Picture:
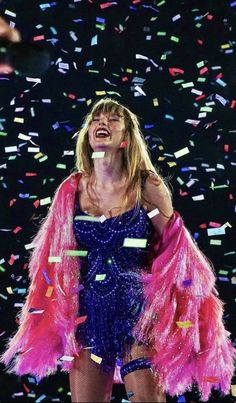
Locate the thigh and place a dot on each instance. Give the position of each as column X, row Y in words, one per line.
column 137, row 351
column 88, row 382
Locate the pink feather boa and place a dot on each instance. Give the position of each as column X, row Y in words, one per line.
column 180, row 289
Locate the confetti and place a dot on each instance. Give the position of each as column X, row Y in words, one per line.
column 135, row 243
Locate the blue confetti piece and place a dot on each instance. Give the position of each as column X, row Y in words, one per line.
column 24, row 195
column 170, row 117
column 187, row 283
column 148, row 126
column 181, row 399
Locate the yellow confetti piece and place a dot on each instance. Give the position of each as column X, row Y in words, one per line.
column 233, row 390
column 135, row 243
column 100, row 93
column 100, row 277
column 181, row 152
column 225, row 46
column 155, row 102
column 9, row 290
column 184, row 324
column 54, row 259
column 19, row 120
column 171, row 163
column 95, row 358
column 49, row 291
column 37, row 156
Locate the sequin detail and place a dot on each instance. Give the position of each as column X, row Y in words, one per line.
column 110, row 276
column 134, row 365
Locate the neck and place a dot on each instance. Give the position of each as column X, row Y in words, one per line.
column 109, row 170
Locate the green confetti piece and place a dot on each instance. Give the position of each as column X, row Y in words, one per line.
column 200, row 64
column 224, row 272
column 135, row 243
column 201, row 79
column 221, row 186
column 46, row 200
column 187, row 85
column 216, row 242
column 76, row 252
column 161, row 33
column 44, row 158
column 179, row 81
column 161, row 3
column 174, row 38
column 206, row 109
column 101, row 27
column 198, row 25
column 3, row 133
column 100, row 277
column 2, row 269
column 61, row 166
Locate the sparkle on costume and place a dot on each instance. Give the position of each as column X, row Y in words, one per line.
column 112, row 305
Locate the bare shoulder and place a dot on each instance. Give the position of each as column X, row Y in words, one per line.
column 156, row 195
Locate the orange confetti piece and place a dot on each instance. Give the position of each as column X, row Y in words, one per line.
column 212, row 379
column 80, row 319
column 49, row 291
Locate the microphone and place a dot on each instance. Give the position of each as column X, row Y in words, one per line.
column 29, row 60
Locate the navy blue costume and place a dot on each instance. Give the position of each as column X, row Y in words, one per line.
column 111, row 293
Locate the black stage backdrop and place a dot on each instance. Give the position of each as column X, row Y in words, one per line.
column 173, row 63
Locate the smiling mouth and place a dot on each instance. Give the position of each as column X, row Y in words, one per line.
column 102, row 133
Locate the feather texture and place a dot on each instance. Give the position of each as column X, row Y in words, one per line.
column 182, row 318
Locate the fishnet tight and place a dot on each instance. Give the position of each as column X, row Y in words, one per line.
column 89, row 384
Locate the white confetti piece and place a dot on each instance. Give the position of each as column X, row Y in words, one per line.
column 198, row 197
column 153, row 213
column 98, row 154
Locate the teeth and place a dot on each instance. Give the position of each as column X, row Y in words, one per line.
column 102, row 133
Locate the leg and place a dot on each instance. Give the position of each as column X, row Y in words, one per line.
column 88, row 383
column 139, row 383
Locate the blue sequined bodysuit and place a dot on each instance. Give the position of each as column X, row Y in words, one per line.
column 111, row 289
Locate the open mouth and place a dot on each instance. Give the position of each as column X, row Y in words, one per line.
column 102, row 133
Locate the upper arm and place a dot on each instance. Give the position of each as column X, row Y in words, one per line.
column 157, row 195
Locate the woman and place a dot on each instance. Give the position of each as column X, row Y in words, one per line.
column 145, row 293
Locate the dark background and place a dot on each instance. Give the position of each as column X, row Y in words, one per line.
column 54, row 107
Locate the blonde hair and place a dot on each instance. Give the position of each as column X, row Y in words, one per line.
column 136, row 157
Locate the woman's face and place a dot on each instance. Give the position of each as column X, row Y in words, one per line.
column 106, row 131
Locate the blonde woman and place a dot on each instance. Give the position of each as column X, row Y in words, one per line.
column 118, row 282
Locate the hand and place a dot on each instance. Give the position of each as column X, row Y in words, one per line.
column 11, row 34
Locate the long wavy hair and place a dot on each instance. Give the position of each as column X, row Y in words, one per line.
column 136, row 159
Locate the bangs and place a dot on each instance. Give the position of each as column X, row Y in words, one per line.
column 108, row 107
